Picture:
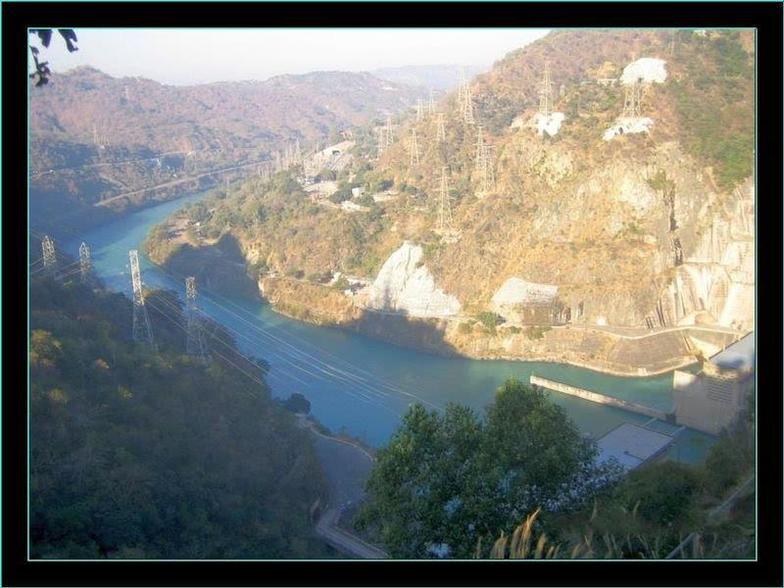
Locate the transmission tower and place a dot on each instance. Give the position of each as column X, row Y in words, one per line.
column 85, row 263
column 444, row 206
column 381, row 142
column 480, row 149
column 488, row 173
column 50, row 257
column 440, row 126
column 195, row 345
column 546, row 92
column 420, row 110
column 431, row 105
column 142, row 329
column 632, row 100
column 388, row 134
column 297, row 153
column 468, row 105
column 414, row 149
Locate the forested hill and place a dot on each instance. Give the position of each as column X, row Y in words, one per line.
column 94, row 136
column 142, row 455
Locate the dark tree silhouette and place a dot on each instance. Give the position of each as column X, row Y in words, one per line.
column 42, row 71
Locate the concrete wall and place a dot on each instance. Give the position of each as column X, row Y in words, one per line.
column 709, row 402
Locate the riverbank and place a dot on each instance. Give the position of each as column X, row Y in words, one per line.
column 604, row 350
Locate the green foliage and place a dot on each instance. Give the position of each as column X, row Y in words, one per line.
column 490, row 320
column 341, row 283
column 297, row 403
column 449, row 478
column 341, row 195
column 714, row 103
column 666, row 492
column 144, row 455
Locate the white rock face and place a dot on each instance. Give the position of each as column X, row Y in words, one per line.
column 647, row 69
column 549, row 124
column 518, row 291
column 407, row 286
column 628, row 126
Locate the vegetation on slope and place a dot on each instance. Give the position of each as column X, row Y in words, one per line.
column 281, row 230
column 448, row 485
column 450, row 479
column 142, row 455
column 571, row 210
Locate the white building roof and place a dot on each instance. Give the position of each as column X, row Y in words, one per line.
column 632, row 445
column 739, row 355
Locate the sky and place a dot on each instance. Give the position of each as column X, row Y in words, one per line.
column 194, row 56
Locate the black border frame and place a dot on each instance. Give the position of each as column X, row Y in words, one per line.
column 766, row 17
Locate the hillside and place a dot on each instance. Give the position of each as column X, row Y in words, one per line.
column 94, row 137
column 143, row 455
column 630, row 214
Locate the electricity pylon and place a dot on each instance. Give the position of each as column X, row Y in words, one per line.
column 381, row 142
column 388, row 134
column 142, row 329
column 50, row 257
column 545, row 92
column 440, row 127
column 195, row 345
column 480, row 149
column 85, row 263
column 431, row 105
column 420, row 110
column 444, row 206
column 414, row 149
column 468, row 105
column 632, row 100
column 488, row 173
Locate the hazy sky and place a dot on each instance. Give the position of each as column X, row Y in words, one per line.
column 188, row 56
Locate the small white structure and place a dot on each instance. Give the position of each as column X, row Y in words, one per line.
column 357, row 192
column 646, row 70
column 628, row 126
column 549, row 124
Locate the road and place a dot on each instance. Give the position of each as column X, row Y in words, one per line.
column 328, row 529
column 347, row 466
column 176, row 182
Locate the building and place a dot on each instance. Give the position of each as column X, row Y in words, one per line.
column 716, row 397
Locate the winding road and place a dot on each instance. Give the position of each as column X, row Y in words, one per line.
column 347, row 466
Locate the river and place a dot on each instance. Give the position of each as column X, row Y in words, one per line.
column 359, row 385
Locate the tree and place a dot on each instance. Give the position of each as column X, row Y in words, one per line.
column 449, row 480
column 297, row 403
column 42, row 71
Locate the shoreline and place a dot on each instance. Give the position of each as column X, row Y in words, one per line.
column 631, row 372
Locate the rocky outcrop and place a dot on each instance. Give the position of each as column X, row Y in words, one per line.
column 406, row 286
column 715, row 283
column 524, row 302
column 646, row 70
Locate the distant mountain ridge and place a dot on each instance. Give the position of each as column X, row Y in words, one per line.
column 85, row 121
column 441, row 78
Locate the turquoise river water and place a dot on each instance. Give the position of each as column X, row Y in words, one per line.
column 360, row 385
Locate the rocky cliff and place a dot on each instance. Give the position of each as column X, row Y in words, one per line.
column 405, row 285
